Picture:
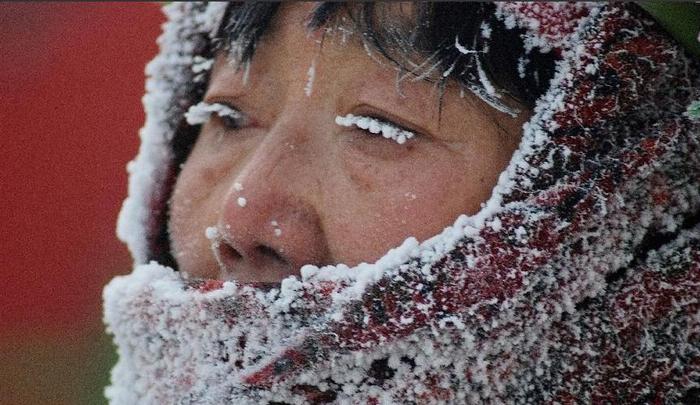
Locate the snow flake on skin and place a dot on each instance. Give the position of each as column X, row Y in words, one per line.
column 310, row 77
column 212, row 233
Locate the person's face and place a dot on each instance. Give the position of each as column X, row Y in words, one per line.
column 292, row 187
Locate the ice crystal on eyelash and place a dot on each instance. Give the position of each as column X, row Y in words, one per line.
column 375, row 126
column 199, row 113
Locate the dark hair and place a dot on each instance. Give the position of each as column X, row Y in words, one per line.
column 428, row 31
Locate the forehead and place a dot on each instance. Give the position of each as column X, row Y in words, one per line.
column 388, row 30
column 288, row 50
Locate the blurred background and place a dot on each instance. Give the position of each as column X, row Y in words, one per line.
column 71, row 82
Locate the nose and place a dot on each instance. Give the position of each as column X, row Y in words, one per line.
column 267, row 226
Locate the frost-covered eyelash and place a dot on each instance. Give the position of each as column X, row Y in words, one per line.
column 375, row 126
column 200, row 113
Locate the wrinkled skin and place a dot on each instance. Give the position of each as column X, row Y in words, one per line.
column 336, row 194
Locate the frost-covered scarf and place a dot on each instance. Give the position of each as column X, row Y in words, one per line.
column 578, row 281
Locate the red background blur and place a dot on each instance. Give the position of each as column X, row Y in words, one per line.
column 71, row 81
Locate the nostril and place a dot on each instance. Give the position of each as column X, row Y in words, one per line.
column 227, row 255
column 230, row 251
column 271, row 253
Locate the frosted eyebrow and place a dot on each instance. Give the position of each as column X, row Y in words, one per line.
column 200, row 113
column 375, row 126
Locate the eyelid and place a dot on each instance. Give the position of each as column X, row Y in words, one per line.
column 201, row 112
column 374, row 125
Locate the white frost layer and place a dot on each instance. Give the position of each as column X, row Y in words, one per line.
column 199, row 113
column 375, row 126
column 163, row 304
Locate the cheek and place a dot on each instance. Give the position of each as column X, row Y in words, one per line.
column 387, row 202
column 183, row 222
column 192, row 210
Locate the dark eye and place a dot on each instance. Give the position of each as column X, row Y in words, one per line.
column 235, row 120
column 376, row 126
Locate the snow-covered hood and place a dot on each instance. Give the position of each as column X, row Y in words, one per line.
column 577, row 281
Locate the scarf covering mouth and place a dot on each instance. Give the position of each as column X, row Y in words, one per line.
column 578, row 281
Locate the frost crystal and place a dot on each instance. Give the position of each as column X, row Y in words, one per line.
column 199, row 113
column 310, row 76
column 201, row 64
column 375, row 126
column 211, row 233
